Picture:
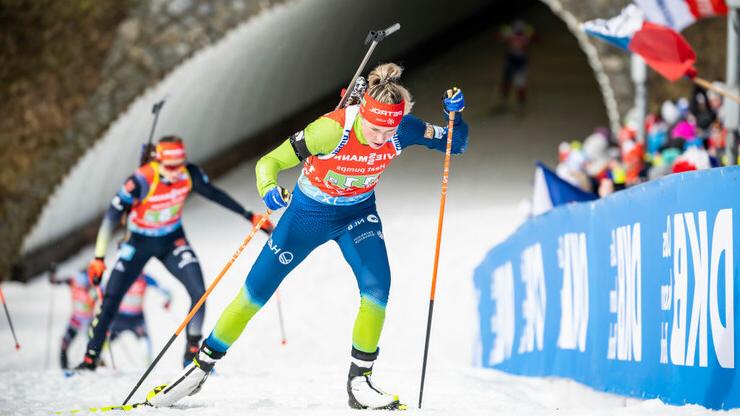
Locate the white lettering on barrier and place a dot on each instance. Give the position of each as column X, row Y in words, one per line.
column 573, row 259
column 625, row 335
column 502, row 320
column 535, row 299
column 706, row 261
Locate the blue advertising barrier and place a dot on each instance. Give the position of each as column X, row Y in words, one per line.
column 632, row 294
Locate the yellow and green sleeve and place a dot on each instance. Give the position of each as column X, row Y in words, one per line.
column 321, row 136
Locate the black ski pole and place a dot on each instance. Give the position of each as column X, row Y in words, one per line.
column 50, row 317
column 10, row 321
column 376, row 36
column 146, row 154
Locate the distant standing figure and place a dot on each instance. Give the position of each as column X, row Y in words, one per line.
column 517, row 36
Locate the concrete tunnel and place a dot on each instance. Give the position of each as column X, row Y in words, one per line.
column 266, row 78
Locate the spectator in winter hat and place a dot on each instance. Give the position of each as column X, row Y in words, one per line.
column 595, row 149
column 684, row 130
column 694, row 158
column 716, row 140
column 683, row 106
column 701, row 110
column 670, row 113
column 572, row 168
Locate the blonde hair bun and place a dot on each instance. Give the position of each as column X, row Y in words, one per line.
column 383, row 85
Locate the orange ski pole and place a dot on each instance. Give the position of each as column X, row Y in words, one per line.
column 442, row 201
column 202, row 300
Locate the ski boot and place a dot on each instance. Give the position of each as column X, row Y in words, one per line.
column 190, row 380
column 363, row 393
column 191, row 349
column 63, row 360
column 89, row 362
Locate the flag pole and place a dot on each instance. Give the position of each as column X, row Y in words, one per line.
column 638, row 72
column 732, row 110
column 708, row 85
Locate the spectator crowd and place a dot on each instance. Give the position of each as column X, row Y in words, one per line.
column 686, row 134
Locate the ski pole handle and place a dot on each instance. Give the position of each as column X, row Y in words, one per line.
column 379, row 35
column 158, row 106
column 393, row 28
column 148, row 148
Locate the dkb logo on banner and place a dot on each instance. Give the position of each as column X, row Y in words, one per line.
column 711, row 300
column 573, row 259
column 625, row 335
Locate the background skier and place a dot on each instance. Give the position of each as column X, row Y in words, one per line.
column 83, row 306
column 154, row 197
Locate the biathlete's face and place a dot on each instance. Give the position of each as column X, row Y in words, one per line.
column 171, row 168
column 375, row 135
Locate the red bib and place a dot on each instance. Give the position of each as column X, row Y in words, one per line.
column 82, row 303
column 352, row 168
column 133, row 301
column 163, row 204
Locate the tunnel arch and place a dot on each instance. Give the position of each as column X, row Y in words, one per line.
column 116, row 152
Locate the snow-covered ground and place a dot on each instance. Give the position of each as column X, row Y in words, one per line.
column 259, row 376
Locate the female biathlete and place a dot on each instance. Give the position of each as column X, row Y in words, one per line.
column 154, row 197
column 344, row 154
column 130, row 315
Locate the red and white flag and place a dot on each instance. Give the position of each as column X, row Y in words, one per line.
column 679, row 14
column 662, row 48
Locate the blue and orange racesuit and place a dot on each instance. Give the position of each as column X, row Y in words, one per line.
column 155, row 230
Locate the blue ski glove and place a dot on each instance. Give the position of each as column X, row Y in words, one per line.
column 276, row 198
column 453, row 100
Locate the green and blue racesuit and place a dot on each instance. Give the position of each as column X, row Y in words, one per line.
column 310, row 221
